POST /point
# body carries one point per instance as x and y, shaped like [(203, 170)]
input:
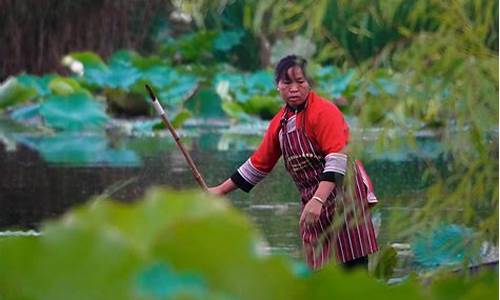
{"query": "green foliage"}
[(226, 40), (445, 246), (64, 104), (206, 104), (40, 83), (244, 94), (180, 245), (122, 80), (76, 112), (450, 79), (13, 92), (192, 47), (384, 262)]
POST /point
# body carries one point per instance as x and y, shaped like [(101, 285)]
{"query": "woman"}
[(311, 134)]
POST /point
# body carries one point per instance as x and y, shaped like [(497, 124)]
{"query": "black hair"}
[(288, 62)]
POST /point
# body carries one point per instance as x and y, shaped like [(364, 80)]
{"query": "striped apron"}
[(344, 228)]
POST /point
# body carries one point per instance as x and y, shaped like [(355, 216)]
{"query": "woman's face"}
[(294, 87)]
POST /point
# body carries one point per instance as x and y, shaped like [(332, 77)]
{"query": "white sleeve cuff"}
[(336, 162)]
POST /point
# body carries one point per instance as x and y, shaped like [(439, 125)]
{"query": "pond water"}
[(45, 175)]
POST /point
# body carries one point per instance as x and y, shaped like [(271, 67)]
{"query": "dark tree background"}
[(35, 35)]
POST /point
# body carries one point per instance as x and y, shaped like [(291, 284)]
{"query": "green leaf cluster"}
[(123, 78), (183, 245)]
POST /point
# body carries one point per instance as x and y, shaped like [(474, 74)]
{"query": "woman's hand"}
[(215, 190), (223, 188), (311, 212)]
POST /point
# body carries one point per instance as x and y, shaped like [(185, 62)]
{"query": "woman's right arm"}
[(223, 188)]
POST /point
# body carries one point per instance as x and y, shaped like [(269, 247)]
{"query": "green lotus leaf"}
[(123, 57), (26, 113), (144, 63), (181, 244), (206, 104), (158, 76), (64, 86), (77, 111), (235, 111), (121, 76), (90, 60), (446, 245), (263, 106), (261, 81), (41, 83), (180, 118), (178, 90), (14, 92), (245, 86)]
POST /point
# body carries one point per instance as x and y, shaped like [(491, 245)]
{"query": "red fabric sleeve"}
[(269, 151), (330, 131)]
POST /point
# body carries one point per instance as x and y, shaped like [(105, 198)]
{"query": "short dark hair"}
[(288, 62)]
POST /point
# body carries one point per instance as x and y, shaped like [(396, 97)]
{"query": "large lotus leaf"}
[(124, 57), (235, 267), (89, 60), (235, 111), (205, 104), (102, 251), (77, 149), (40, 83), (176, 245), (97, 74), (77, 111), (261, 81), (70, 261), (158, 76), (482, 285), (226, 40), (121, 76), (263, 106), (26, 113), (14, 92), (144, 63), (95, 77), (245, 86), (446, 245), (65, 86), (178, 90), (234, 80)]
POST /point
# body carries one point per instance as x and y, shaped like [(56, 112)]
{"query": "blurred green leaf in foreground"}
[(183, 245)]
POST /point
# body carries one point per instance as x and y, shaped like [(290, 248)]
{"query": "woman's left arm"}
[(331, 133), (312, 210)]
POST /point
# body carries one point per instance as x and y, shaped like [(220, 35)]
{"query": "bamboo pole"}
[(167, 123)]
